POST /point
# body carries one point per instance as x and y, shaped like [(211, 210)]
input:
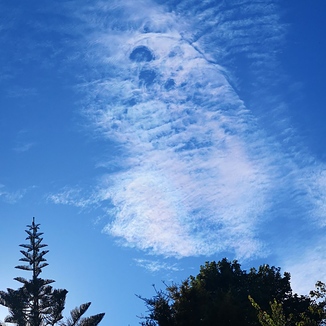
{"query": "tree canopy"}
[(36, 303), (218, 295)]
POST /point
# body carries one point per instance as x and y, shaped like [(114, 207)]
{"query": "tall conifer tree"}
[(36, 303)]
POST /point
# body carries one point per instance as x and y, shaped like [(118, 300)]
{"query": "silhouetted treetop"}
[(218, 295), (36, 303)]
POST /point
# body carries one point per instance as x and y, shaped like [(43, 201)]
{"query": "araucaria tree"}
[(36, 303)]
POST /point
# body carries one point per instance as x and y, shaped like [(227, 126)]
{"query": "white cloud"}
[(20, 92), (188, 167), (307, 266), (23, 144), (69, 197), (198, 175), (23, 147), (76, 196), (155, 265), (11, 197)]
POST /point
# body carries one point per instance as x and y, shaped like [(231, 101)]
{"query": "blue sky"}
[(148, 137)]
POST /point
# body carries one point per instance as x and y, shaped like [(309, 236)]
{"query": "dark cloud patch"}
[(169, 84), (147, 77), (141, 54)]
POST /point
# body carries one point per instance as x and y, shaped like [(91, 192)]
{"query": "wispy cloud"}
[(307, 266), (78, 197), (198, 172), (23, 142), (11, 197), (23, 147), (20, 92), (156, 265)]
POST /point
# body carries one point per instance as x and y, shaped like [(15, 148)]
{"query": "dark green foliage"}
[(160, 308), (218, 295), (277, 317), (314, 316), (16, 301), (36, 303), (77, 320)]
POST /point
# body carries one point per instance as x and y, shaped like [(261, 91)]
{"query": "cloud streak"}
[(155, 265), (198, 174), (11, 197)]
